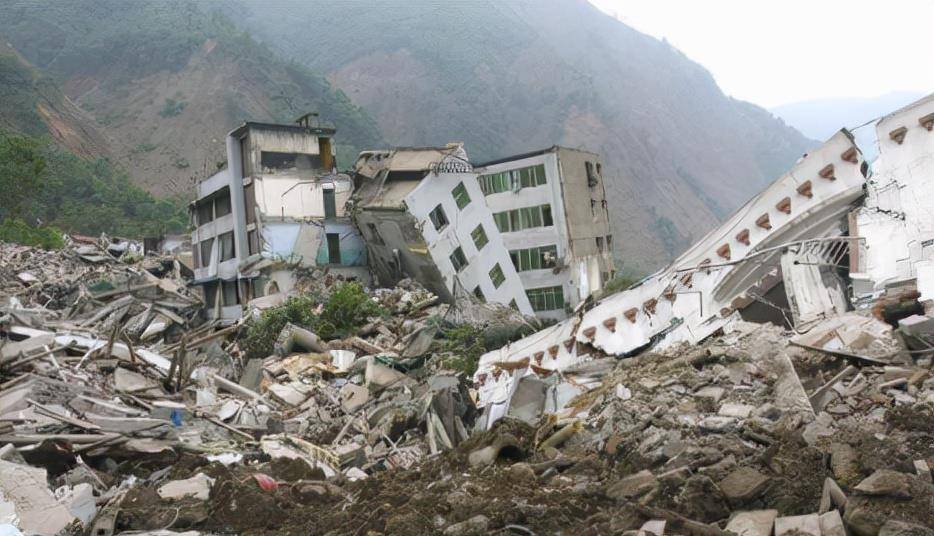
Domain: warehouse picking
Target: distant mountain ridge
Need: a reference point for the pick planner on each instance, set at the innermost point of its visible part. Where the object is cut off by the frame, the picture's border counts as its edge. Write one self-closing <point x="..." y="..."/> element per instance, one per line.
<point x="820" y="118"/>
<point x="167" y="80"/>
<point x="513" y="75"/>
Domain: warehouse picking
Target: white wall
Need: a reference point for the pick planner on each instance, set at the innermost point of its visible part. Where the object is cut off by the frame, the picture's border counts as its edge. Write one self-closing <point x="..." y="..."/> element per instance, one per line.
<point x="436" y="189"/>
<point x="546" y="194"/>
<point x="298" y="195"/>
<point x="898" y="219"/>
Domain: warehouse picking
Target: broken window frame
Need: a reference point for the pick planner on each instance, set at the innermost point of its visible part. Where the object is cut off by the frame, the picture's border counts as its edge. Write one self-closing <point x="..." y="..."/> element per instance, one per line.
<point x="438" y="218"/>
<point x="519" y="219"/>
<point x="497" y="276"/>
<point x="479" y="237"/>
<point x="537" y="258"/>
<point x="228" y="248"/>
<point x="460" y="195"/>
<point x="458" y="259"/>
<point x="230" y="293"/>
<point x="222" y="204"/>
<point x="207" y="248"/>
<point x="513" y="179"/>
<point x="478" y="293"/>
<point x="546" y="298"/>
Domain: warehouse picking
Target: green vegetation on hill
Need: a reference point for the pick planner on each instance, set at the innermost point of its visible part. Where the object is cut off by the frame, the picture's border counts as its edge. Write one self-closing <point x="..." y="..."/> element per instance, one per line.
<point x="47" y="187"/>
<point x="173" y="74"/>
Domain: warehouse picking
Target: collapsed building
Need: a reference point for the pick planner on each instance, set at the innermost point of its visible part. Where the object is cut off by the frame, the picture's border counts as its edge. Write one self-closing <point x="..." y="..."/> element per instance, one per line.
<point x="278" y="204"/>
<point x="530" y="230"/>
<point x="829" y="235"/>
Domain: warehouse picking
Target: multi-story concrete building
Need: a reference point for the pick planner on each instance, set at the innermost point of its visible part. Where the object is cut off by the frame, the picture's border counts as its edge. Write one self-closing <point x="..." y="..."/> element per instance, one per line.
<point x="550" y="207"/>
<point x="531" y="231"/>
<point x="279" y="203"/>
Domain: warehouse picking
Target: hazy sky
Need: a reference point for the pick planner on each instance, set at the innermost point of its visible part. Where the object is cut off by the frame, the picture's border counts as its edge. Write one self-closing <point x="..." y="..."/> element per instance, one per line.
<point x="777" y="52"/>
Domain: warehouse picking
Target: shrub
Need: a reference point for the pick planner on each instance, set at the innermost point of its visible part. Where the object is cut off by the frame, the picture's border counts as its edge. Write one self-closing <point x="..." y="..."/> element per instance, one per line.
<point x="14" y="230"/>
<point x="261" y="334"/>
<point x="347" y="309"/>
<point x="465" y="344"/>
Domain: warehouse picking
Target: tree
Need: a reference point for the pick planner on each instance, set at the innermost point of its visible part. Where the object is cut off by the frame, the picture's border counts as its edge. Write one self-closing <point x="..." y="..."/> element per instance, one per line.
<point x="21" y="167"/>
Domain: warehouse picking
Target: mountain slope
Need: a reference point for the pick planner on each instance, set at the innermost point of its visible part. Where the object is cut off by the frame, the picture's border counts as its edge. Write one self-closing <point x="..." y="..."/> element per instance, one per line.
<point x="515" y="75"/>
<point x="168" y="80"/>
<point x="35" y="106"/>
<point x="822" y="117"/>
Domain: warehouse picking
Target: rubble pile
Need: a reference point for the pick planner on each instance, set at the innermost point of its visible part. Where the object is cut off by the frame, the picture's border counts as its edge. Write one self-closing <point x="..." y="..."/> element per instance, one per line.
<point x="122" y="411"/>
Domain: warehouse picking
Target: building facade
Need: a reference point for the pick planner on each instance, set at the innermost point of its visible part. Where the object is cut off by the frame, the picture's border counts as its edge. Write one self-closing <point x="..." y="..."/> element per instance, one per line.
<point x="531" y="231"/>
<point x="278" y="204"/>
<point x="550" y="207"/>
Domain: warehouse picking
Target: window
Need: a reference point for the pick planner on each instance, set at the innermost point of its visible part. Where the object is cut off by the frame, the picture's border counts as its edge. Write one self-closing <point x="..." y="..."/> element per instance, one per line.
<point x="479" y="294"/>
<point x="523" y="218"/>
<point x="497" y="276"/>
<point x="226" y="242"/>
<point x="546" y="299"/>
<point x="205" y="211"/>
<point x="252" y="238"/>
<point x="599" y="240"/>
<point x="334" y="248"/>
<point x="196" y="256"/>
<point x="230" y="294"/>
<point x="210" y="294"/>
<point x="330" y="203"/>
<point x="593" y="178"/>
<point x="461" y="197"/>
<point x="458" y="259"/>
<point x="609" y="242"/>
<point x="438" y="218"/>
<point x="374" y="234"/>
<point x="222" y="203"/>
<point x="479" y="237"/>
<point x="505" y="181"/>
<point x="534" y="258"/>
<point x="206" y="247"/>
<point x="272" y="161"/>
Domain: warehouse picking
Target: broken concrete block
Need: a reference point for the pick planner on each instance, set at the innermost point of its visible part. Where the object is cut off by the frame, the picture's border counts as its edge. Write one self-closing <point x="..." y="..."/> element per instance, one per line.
<point x="806" y="525"/>
<point x="844" y="462"/>
<point x="632" y="485"/>
<point x="820" y="427"/>
<point x="885" y="482"/>
<point x="709" y="397"/>
<point x="37" y="509"/>
<point x="292" y="394"/>
<point x="127" y="381"/>
<point x="744" y="484"/>
<point x="197" y="487"/>
<point x="353" y="396"/>
<point x="902" y="528"/>
<point x="752" y="523"/>
<point x="380" y="376"/>
<point x="293" y="338"/>
<point x="921" y="467"/>
<point x="740" y="411"/>
<point x="653" y="526"/>
<point x="487" y="455"/>
<point x="342" y="360"/>
<point x="831" y="524"/>
<point x="476" y="526"/>
<point x="622" y="392"/>
<point x="717" y="424"/>
<point x="521" y="472"/>
<point x="80" y="501"/>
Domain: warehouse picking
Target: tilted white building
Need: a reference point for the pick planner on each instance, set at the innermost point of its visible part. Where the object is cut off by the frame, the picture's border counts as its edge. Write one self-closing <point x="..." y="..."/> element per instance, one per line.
<point x="531" y="231"/>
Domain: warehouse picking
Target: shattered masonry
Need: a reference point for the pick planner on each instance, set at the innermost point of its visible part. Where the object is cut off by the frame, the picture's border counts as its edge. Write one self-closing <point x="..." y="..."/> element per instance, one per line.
<point x="775" y="379"/>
